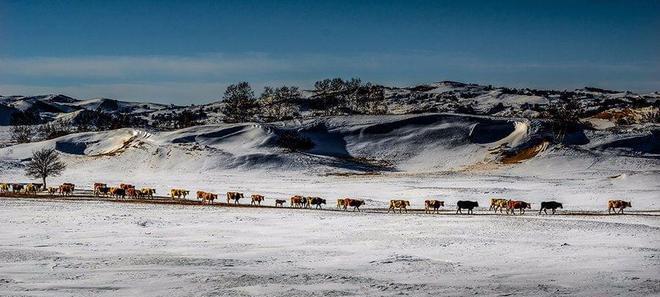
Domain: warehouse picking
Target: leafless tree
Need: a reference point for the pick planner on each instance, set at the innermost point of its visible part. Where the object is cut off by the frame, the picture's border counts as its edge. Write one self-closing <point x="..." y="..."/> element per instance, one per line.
<point x="240" y="103"/>
<point x="21" y="134"/>
<point x="44" y="163"/>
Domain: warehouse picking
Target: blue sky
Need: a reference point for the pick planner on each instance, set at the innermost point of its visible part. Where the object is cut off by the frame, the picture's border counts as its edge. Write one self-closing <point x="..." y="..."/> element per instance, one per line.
<point x="189" y="51"/>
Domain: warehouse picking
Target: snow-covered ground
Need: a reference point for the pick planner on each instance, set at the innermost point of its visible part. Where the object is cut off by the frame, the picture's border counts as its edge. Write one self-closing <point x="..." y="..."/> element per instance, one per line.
<point x="108" y="249"/>
<point x="55" y="248"/>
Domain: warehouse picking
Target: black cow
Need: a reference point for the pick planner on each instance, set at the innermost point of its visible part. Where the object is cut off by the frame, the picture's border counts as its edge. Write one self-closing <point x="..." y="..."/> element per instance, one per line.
<point x="315" y="201"/>
<point x="355" y="203"/>
<point x="469" y="205"/>
<point x="17" y="187"/>
<point x="102" y="191"/>
<point x="118" y="192"/>
<point x="545" y="205"/>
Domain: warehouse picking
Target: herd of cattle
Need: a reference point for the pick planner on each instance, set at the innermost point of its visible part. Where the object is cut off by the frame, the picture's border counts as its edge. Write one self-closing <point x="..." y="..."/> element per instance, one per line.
<point x="430" y="206"/>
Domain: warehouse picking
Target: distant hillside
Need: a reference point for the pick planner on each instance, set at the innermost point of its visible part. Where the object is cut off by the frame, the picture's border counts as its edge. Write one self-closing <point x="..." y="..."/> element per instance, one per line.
<point x="598" y="108"/>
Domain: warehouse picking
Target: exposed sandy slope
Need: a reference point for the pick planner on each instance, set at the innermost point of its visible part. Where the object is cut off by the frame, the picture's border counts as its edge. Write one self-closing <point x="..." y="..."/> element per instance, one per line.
<point x="107" y="249"/>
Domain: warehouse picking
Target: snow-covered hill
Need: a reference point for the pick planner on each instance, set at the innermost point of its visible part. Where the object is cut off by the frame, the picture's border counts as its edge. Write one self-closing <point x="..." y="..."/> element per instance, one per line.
<point x="445" y="96"/>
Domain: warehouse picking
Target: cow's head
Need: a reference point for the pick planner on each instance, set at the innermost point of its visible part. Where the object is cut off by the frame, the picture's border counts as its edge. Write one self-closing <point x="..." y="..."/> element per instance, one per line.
<point x="627" y="203"/>
<point x="476" y="204"/>
<point x="407" y="203"/>
<point x="561" y="206"/>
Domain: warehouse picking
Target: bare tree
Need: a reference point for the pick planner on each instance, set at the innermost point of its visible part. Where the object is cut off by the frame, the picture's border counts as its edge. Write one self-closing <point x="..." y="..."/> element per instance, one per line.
<point x="278" y="104"/>
<point x="21" y="134"/>
<point x="44" y="163"/>
<point x="565" y="117"/>
<point x="239" y="102"/>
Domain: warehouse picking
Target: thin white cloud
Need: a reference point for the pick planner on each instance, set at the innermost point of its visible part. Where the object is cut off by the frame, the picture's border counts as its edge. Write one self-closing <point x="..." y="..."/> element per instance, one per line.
<point x="126" y="66"/>
<point x="202" y="78"/>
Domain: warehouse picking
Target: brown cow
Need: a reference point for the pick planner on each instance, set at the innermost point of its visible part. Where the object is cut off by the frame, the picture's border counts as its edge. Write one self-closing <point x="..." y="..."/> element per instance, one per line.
<point x="66" y="189"/>
<point x="234" y="196"/>
<point x="206" y="197"/>
<point x="178" y="193"/>
<point x="279" y="202"/>
<point x="617" y="204"/>
<point x="148" y="192"/>
<point x="31" y="189"/>
<point x="340" y="203"/>
<point x="400" y="204"/>
<point x="256" y="199"/>
<point x="52" y="190"/>
<point x="433" y="204"/>
<point x="521" y="205"/>
<point x="297" y="201"/>
<point x="498" y="204"/>
<point x="132" y="192"/>
<point x="103" y="191"/>
<point x="209" y="198"/>
<point x="355" y="203"/>
<point x="117" y="192"/>
<point x="97" y="186"/>
<point x="4" y="187"/>
<point x="72" y="186"/>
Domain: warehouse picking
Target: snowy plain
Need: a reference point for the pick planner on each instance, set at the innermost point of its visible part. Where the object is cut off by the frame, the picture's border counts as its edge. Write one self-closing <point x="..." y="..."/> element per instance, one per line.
<point x="56" y="248"/>
<point x="101" y="248"/>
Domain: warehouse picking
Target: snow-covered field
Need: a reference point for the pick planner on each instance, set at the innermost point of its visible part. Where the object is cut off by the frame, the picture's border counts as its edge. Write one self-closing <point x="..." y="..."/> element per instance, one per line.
<point x="110" y="249"/>
<point x="50" y="248"/>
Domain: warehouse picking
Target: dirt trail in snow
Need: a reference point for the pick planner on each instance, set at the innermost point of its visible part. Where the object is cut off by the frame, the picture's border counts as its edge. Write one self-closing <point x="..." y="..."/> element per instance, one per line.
<point x="447" y="210"/>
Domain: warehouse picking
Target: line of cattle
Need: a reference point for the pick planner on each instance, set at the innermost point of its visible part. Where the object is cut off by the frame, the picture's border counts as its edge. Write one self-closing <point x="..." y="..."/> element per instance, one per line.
<point x="430" y="206"/>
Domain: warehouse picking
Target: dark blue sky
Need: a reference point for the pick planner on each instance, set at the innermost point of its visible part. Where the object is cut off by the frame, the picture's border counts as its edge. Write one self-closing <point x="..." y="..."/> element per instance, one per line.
<point x="188" y="52"/>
